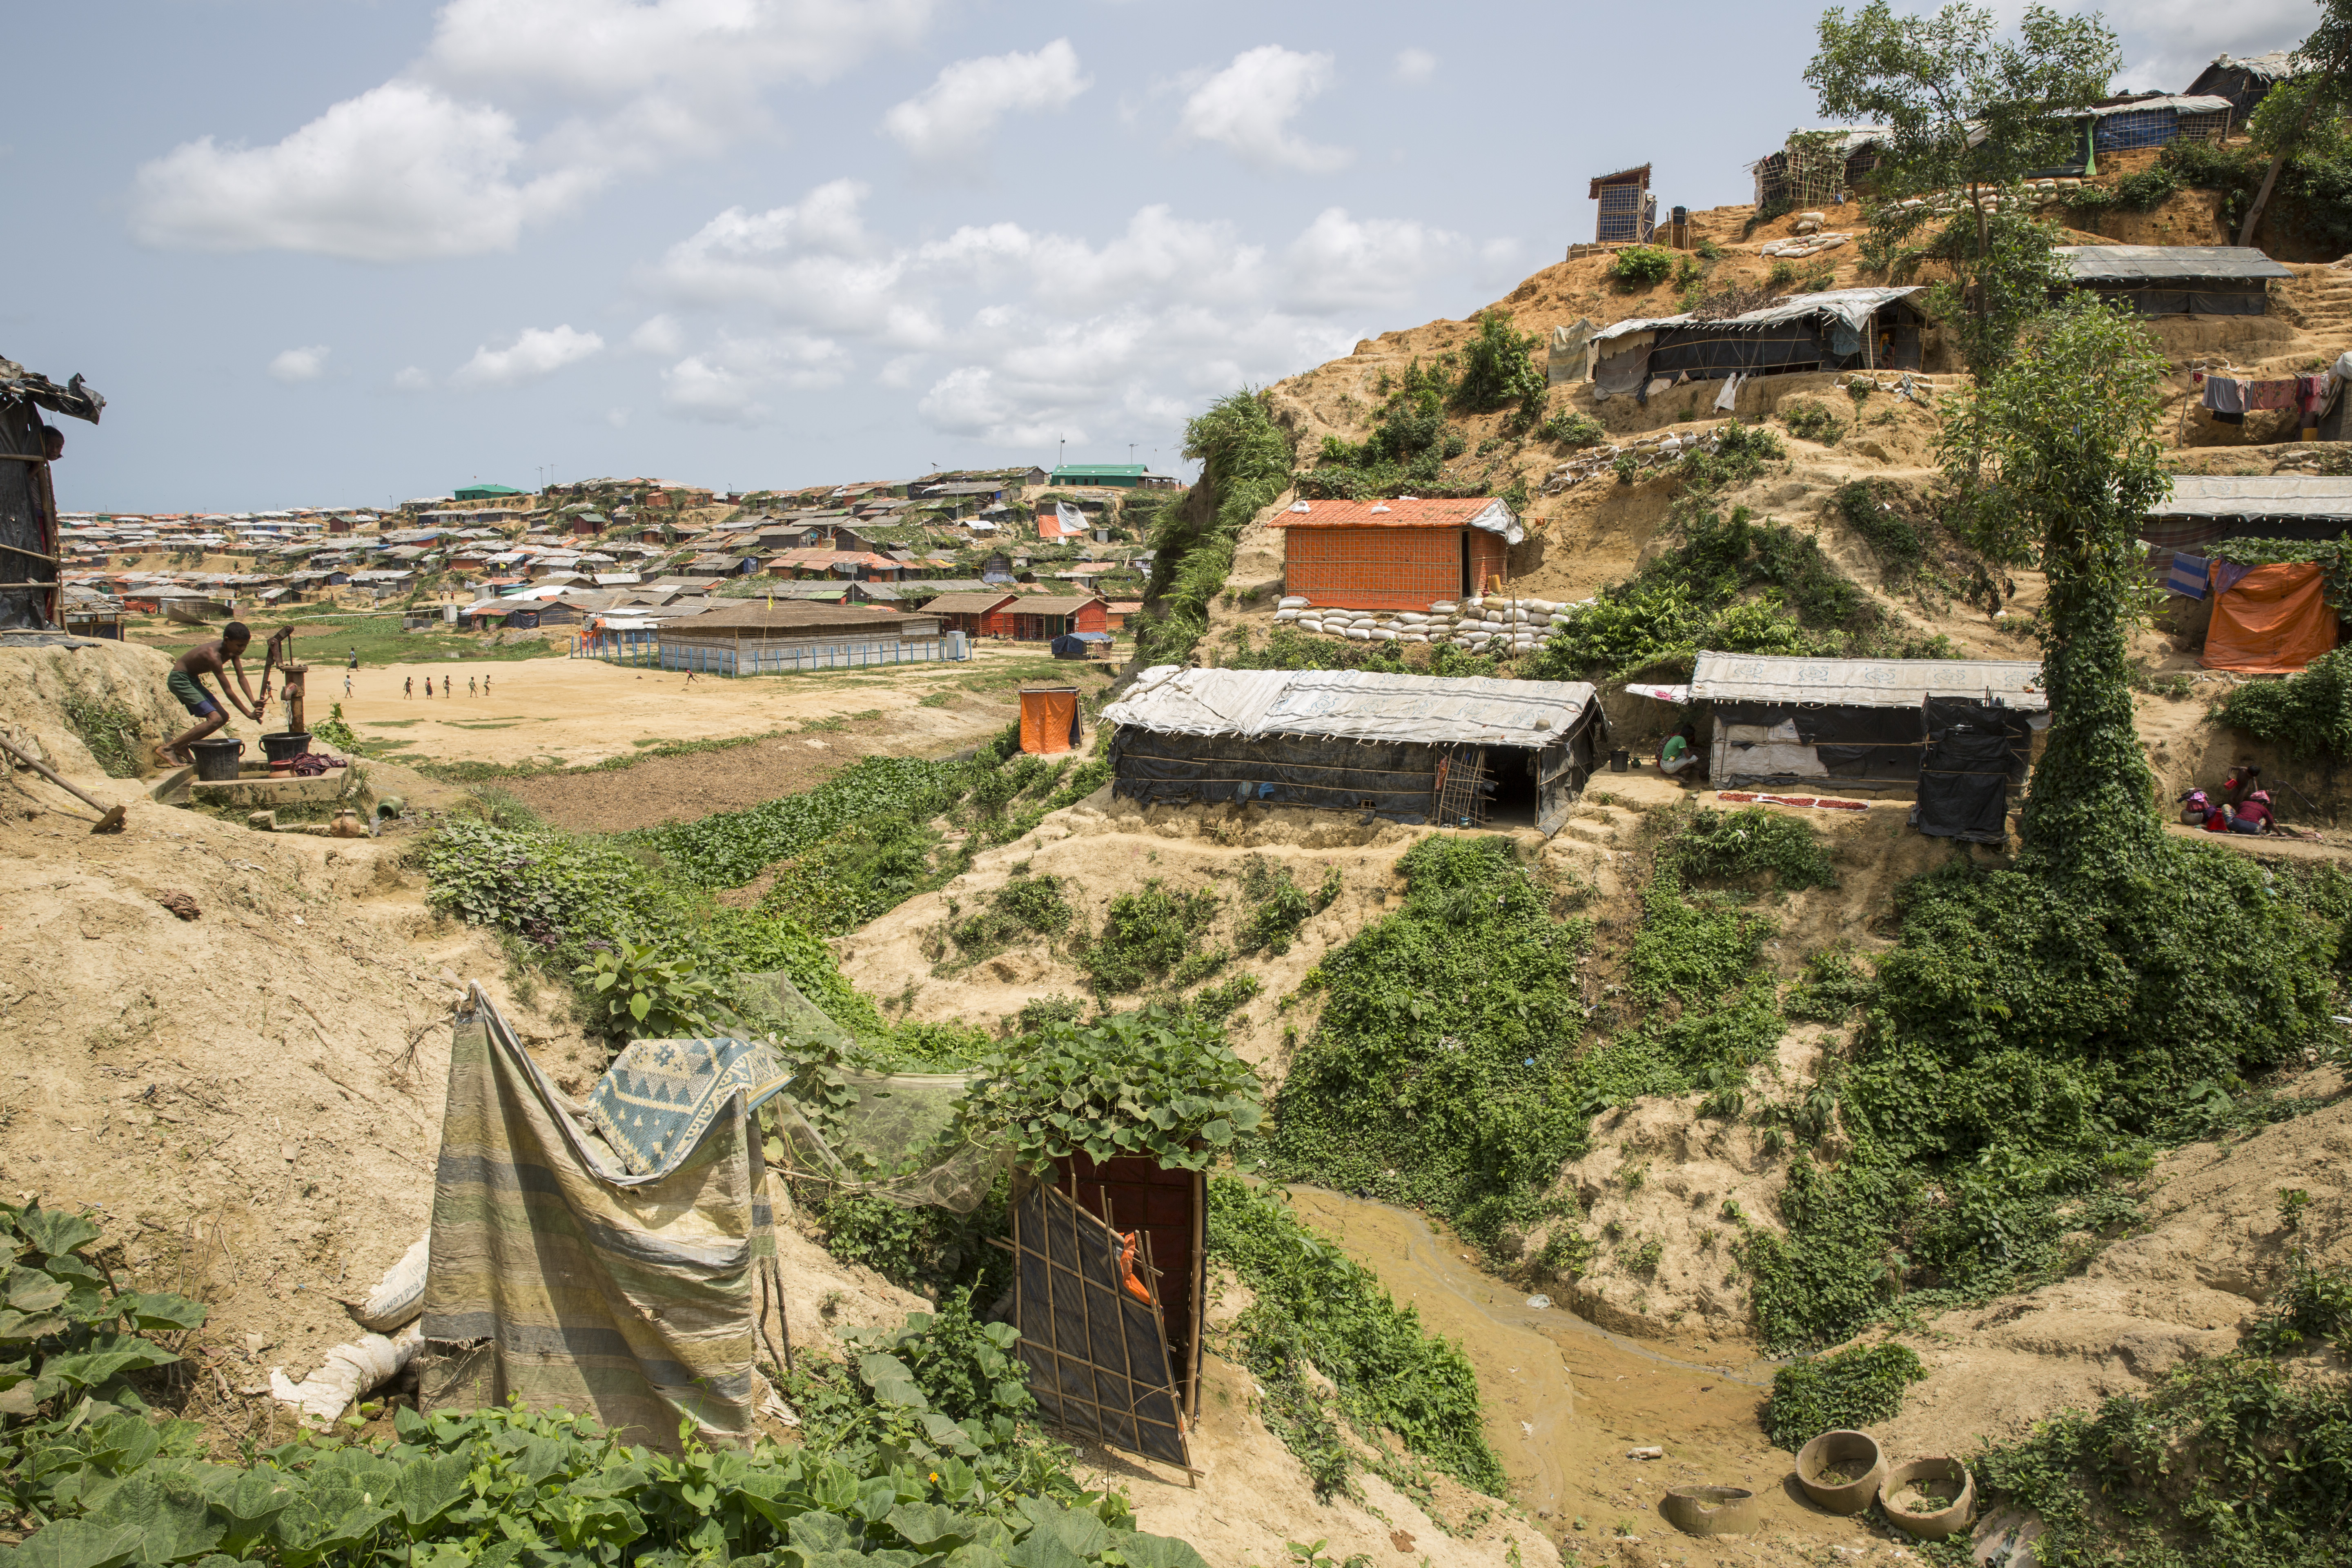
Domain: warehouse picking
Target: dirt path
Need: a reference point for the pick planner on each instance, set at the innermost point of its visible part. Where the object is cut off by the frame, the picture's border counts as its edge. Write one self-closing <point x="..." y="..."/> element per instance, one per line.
<point x="1565" y="1400"/>
<point x="584" y="711"/>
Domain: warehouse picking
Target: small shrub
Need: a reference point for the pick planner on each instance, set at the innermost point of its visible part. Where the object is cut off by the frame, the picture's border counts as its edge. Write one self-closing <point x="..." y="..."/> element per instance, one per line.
<point x="1145" y="935"/>
<point x="1751" y="839"/>
<point x="1811" y="422"/>
<point x="1572" y="429"/>
<point x="2146" y="190"/>
<point x="1896" y="539"/>
<point x="1845" y="1392"/>
<point x="1831" y="988"/>
<point x="1500" y="366"/>
<point x="1642" y="265"/>
<point x="2309" y="714"/>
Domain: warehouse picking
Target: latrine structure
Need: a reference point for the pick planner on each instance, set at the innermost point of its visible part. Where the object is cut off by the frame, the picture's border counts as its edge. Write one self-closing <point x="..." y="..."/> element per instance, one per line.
<point x="1819" y="166"/>
<point x="1413" y="749"/>
<point x="1629" y="213"/>
<point x="1394" y="555"/>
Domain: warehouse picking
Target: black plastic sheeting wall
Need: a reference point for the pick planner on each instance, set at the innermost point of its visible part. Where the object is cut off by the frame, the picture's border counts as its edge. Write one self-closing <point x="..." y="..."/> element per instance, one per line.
<point x="2214" y="298"/>
<point x="25" y="583"/>
<point x="1975" y="754"/>
<point x="1876" y="745"/>
<point x="1395" y="778"/>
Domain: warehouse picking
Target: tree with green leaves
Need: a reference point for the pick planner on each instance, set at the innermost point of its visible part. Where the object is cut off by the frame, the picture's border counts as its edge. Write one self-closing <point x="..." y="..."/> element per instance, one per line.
<point x="2304" y="113"/>
<point x="1969" y="113"/>
<point x="2057" y="460"/>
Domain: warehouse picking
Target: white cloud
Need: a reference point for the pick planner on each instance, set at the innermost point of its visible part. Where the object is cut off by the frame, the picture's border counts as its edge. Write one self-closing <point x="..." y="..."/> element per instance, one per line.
<point x="948" y="121"/>
<point x="2166" y="42"/>
<point x="657" y="335"/>
<point x="401" y="173"/>
<point x="1415" y="66"/>
<point x="412" y="378"/>
<point x="536" y="351"/>
<point x="438" y="160"/>
<point x="723" y="384"/>
<point x="301" y="364"/>
<point x="1344" y="263"/>
<point x="1247" y="109"/>
<point x="813" y="264"/>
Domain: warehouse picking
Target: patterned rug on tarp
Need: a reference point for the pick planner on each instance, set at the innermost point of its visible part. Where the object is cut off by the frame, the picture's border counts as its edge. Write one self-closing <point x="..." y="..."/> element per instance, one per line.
<point x="658" y="1099"/>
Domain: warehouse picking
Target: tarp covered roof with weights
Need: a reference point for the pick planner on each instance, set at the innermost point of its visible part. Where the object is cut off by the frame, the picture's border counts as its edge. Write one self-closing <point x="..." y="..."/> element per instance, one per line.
<point x="1864" y="682"/>
<point x="1352" y="705"/>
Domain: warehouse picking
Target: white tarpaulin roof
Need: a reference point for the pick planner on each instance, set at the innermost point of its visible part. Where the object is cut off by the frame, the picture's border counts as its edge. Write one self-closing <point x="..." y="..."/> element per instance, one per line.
<point x="2257" y="495"/>
<point x="1864" y="682"/>
<point x="1352" y="705"/>
<point x="1855" y="307"/>
<point x="2135" y="263"/>
<point x="2185" y="103"/>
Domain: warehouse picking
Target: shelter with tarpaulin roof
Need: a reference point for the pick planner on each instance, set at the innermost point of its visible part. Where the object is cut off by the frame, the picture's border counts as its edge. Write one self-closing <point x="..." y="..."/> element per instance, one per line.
<point x="2246" y="79"/>
<point x="1957" y="734"/>
<point x="755" y="637"/>
<point x="1398" y="554"/>
<point x="1820" y="166"/>
<point x="1835" y="329"/>
<point x="30" y="547"/>
<point x="2246" y="559"/>
<point x="2176" y="279"/>
<point x="1416" y="748"/>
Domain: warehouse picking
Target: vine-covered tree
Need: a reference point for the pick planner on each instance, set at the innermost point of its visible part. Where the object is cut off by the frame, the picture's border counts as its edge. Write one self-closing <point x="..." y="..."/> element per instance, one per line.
<point x="1969" y="113"/>
<point x="2057" y="461"/>
<point x="2304" y="113"/>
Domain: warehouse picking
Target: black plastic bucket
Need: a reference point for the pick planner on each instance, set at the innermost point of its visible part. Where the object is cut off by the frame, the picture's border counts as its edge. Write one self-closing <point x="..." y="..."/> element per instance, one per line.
<point x="282" y="748"/>
<point x="217" y="760"/>
<point x="1617" y="759"/>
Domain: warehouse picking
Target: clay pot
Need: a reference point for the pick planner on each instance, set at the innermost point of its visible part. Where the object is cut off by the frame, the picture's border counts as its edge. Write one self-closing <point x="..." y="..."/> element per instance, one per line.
<point x="1853" y="1454"/>
<point x="1944" y="1475"/>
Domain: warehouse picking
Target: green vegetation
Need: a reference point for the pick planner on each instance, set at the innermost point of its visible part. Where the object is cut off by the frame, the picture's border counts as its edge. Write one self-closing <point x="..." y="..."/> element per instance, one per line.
<point x="1025" y="906"/>
<point x="921" y="1452"/>
<point x="110" y="731"/>
<point x="1279" y="906"/>
<point x="1900" y="543"/>
<point x="1856" y="1388"/>
<point x="1431" y="1078"/>
<point x="1500" y="367"/>
<point x="1146" y="935"/>
<point x="2309" y="714"/>
<point x="1245" y="463"/>
<point x="1970" y="112"/>
<point x="1811" y="422"/>
<point x="1752" y="841"/>
<point x="1642" y="265"/>
<point x="1572" y="429"/>
<point x="1155" y="1081"/>
<point x="2229" y="1462"/>
<point x="1318" y="1311"/>
<point x="335" y="732"/>
<point x="2040" y="1032"/>
<point x="1698" y="595"/>
<point x="1408" y="448"/>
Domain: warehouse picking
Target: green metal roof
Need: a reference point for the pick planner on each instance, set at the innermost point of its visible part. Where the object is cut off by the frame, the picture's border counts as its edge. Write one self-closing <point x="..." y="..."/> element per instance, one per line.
<point x="1102" y="470"/>
<point x="485" y="492"/>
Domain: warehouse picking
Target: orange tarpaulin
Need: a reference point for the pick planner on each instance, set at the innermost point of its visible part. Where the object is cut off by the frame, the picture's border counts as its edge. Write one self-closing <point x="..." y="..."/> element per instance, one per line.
<point x="2272" y="621"/>
<point x="1049" y="720"/>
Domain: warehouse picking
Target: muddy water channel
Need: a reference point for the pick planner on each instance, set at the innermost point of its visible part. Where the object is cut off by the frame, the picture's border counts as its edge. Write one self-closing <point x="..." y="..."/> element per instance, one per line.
<point x="1566" y="1400"/>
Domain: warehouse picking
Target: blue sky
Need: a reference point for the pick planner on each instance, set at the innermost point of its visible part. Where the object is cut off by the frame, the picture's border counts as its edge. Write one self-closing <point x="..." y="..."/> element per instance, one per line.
<point x="335" y="252"/>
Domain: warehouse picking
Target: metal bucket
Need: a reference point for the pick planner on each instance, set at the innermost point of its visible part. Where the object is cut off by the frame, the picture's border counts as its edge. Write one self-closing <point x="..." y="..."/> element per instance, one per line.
<point x="217" y="760"/>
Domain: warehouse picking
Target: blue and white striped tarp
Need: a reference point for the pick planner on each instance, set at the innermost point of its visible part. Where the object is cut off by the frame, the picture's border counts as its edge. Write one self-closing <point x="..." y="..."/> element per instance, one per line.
<point x="2187" y="577"/>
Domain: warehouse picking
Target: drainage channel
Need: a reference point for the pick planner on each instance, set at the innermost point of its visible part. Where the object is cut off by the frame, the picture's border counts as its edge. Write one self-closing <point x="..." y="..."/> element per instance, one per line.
<point x="1566" y="1400"/>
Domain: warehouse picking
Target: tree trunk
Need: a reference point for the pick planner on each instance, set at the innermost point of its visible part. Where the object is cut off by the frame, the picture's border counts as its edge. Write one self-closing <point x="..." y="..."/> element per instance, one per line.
<point x="2262" y="200"/>
<point x="2278" y="161"/>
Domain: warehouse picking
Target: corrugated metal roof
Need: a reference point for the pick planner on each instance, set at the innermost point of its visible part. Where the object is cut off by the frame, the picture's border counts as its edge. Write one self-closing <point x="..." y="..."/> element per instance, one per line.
<point x="1483" y="512"/>
<point x="1351" y="705"/>
<point x="2131" y="263"/>
<point x="1853" y="305"/>
<point x="968" y="603"/>
<point x="1051" y="604"/>
<point x="1640" y="171"/>
<point x="1863" y="682"/>
<point x="2257" y="495"/>
<point x="758" y="616"/>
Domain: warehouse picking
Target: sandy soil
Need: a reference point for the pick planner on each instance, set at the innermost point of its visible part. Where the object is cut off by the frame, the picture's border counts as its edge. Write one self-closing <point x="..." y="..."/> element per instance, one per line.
<point x="584" y="710"/>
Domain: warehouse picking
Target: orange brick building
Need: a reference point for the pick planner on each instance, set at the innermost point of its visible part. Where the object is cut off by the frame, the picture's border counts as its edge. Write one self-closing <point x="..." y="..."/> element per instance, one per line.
<point x="1400" y="554"/>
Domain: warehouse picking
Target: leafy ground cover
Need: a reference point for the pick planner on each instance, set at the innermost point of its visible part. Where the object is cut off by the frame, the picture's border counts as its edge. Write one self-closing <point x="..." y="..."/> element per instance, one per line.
<point x="1316" y="1309"/>
<point x="922" y="1451"/>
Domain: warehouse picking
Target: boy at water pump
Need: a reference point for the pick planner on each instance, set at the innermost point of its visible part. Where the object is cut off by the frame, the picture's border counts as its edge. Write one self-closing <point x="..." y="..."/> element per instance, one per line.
<point x="214" y="659"/>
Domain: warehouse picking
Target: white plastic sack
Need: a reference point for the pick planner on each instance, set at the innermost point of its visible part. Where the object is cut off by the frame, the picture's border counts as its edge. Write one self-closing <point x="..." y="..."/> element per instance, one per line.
<point x="348" y="1372"/>
<point x="399" y="1296"/>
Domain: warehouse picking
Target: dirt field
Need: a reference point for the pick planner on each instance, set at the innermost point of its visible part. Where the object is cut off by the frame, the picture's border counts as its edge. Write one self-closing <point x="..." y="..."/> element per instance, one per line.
<point x="584" y="711"/>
